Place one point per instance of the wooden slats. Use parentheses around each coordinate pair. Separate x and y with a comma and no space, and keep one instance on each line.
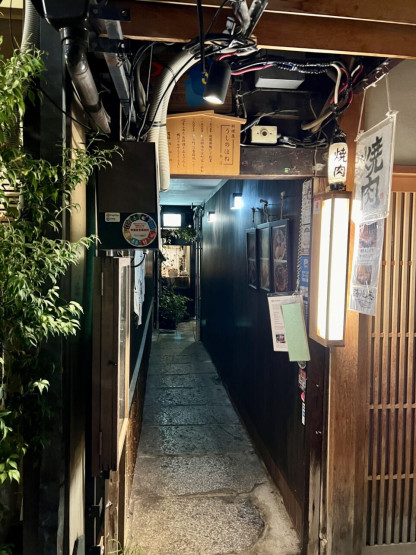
(391,494)
(411,372)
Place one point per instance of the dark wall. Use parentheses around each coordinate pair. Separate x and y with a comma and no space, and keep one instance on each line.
(235,327)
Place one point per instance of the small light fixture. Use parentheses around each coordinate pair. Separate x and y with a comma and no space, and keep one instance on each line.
(328,288)
(216,88)
(337,161)
(237,201)
(211,217)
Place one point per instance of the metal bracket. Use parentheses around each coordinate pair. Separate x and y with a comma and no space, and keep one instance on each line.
(115,14)
(111,46)
(94,511)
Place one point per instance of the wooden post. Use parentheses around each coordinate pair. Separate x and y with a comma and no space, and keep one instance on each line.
(346,410)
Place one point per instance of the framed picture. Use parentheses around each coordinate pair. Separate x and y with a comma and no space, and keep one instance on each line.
(263,245)
(251,250)
(279,243)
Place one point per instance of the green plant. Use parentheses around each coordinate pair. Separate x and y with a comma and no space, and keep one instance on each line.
(188,234)
(172,307)
(120,550)
(34,198)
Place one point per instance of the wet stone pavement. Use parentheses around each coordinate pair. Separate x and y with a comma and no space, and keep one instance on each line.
(199,488)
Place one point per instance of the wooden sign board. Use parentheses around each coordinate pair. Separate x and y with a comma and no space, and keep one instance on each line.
(204,143)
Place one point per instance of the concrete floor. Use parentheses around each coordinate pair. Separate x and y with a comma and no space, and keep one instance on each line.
(199,487)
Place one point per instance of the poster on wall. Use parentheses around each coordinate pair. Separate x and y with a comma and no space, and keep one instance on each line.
(288,325)
(264,256)
(368,248)
(305,244)
(279,231)
(373,171)
(276,320)
(139,284)
(251,257)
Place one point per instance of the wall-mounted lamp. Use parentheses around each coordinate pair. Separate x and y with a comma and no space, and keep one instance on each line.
(237,201)
(328,288)
(217,84)
(211,217)
(337,161)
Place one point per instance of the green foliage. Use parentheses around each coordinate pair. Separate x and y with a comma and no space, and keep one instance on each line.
(34,196)
(187,234)
(120,550)
(16,77)
(172,307)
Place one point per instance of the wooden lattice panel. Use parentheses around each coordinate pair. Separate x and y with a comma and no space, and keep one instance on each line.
(391,484)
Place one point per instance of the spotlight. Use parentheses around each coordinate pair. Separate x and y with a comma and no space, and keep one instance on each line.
(237,201)
(217,83)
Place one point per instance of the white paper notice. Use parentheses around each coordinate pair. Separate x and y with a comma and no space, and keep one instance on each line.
(368,247)
(277,322)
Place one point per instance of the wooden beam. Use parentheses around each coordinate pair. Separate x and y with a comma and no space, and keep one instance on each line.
(332,35)
(404,179)
(280,31)
(273,163)
(371,10)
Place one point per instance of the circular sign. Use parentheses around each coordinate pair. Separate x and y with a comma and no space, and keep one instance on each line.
(139,229)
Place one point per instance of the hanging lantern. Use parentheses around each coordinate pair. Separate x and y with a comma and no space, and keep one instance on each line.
(337,162)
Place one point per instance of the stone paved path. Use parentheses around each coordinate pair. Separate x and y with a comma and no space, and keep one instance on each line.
(199,487)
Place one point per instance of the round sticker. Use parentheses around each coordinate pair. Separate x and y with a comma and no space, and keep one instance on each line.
(139,229)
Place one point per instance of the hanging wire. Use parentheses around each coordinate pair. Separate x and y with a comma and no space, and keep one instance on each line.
(361,114)
(388,94)
(214,19)
(201,35)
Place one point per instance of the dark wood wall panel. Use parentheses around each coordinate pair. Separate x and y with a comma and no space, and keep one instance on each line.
(236,330)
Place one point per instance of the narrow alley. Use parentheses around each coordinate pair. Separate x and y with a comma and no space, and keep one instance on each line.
(199,487)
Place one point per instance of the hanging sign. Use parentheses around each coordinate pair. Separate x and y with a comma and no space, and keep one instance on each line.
(368,247)
(373,171)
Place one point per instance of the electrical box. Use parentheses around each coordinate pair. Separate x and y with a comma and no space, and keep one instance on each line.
(264,134)
(128,199)
(275,78)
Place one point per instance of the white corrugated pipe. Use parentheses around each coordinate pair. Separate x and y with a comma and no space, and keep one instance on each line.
(159,109)
(31,27)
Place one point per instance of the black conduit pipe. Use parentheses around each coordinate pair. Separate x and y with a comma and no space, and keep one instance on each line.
(75,47)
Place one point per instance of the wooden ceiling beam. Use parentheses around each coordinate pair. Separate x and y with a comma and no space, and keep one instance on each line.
(163,21)
(402,12)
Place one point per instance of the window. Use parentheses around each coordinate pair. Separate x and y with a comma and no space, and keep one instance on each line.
(172,220)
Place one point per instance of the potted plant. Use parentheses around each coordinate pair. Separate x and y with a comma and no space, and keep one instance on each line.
(172,308)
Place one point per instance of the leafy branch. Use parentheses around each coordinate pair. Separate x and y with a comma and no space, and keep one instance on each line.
(34,197)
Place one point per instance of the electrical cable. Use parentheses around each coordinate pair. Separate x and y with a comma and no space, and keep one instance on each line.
(190,62)
(141,261)
(214,19)
(256,121)
(64,111)
(201,35)
(255,68)
(337,83)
